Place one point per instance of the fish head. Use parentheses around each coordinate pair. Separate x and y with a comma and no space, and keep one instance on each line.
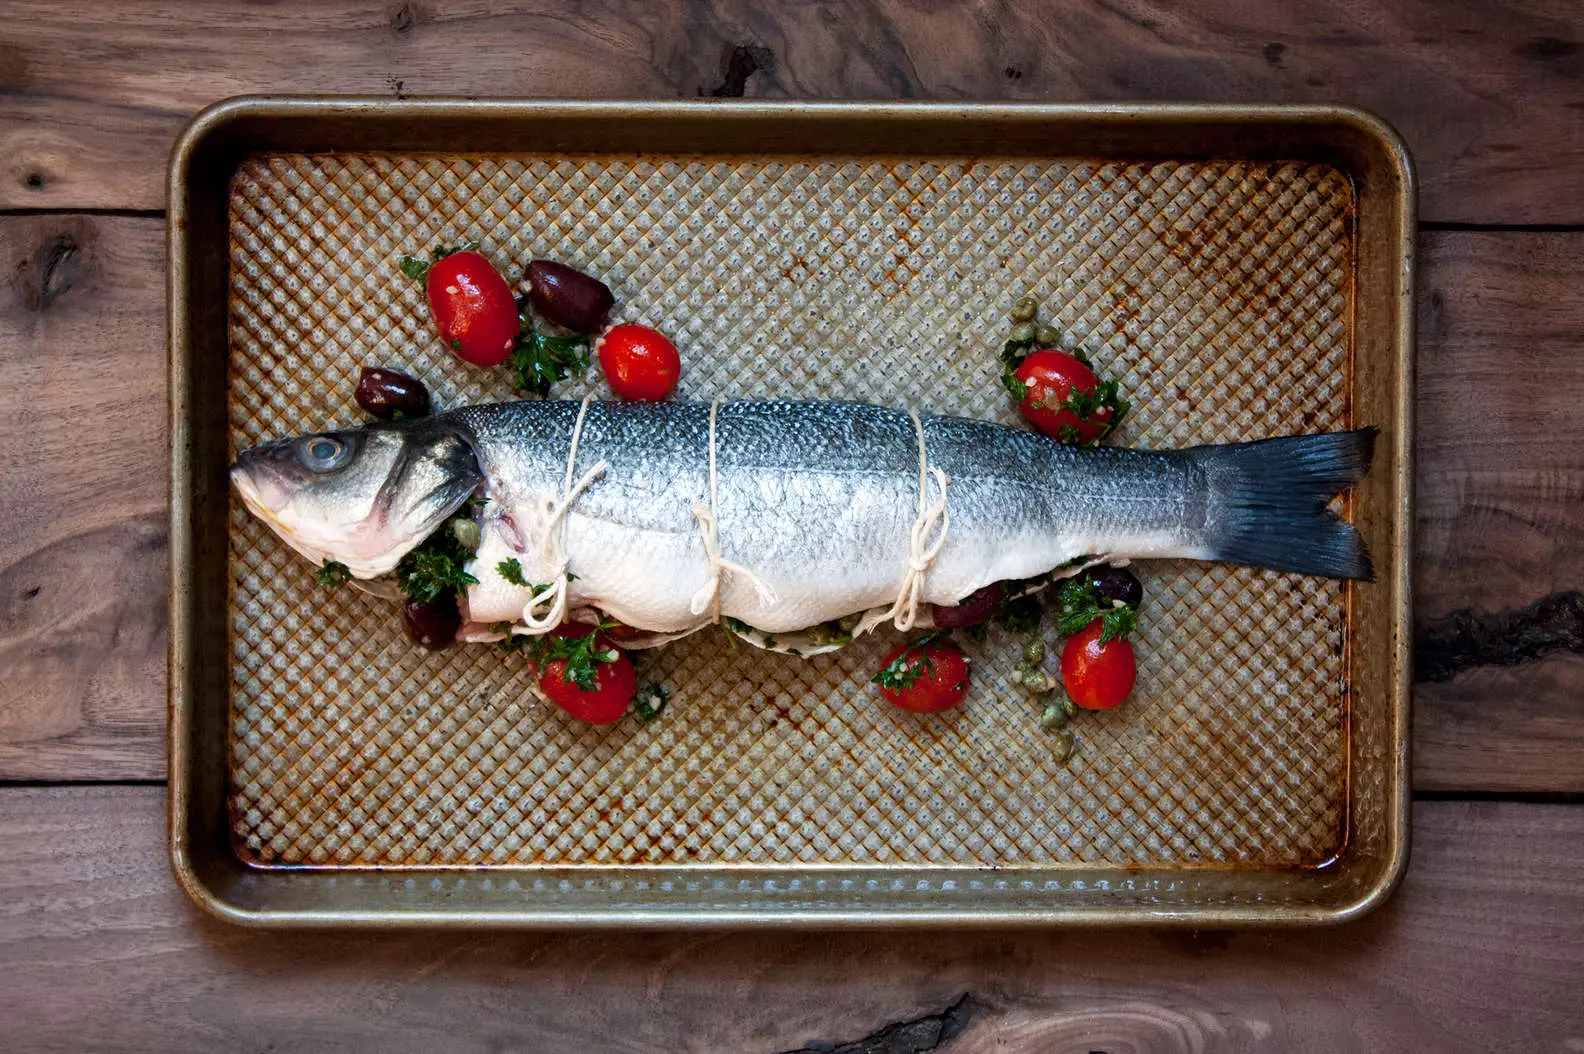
(363,497)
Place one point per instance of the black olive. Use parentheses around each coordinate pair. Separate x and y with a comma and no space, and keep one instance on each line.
(386,393)
(978,606)
(1117,583)
(434,625)
(567,297)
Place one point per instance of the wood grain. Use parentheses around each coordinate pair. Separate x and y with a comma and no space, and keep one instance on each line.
(98,950)
(1500,496)
(83,486)
(1490,94)
(1500,481)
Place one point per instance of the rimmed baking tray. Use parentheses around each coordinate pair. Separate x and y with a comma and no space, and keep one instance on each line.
(1245,271)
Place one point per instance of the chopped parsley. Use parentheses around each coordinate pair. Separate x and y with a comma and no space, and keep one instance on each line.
(1077,605)
(906,669)
(333,574)
(540,360)
(436,567)
(649,701)
(417,268)
(582,655)
(511,570)
(1022,614)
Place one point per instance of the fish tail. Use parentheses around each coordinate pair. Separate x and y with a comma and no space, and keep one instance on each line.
(1267,503)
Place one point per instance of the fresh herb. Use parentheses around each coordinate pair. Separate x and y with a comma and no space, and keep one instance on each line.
(1087,405)
(435,567)
(979,632)
(1022,614)
(829,634)
(417,268)
(540,360)
(582,656)
(333,574)
(1078,605)
(511,570)
(905,670)
(649,701)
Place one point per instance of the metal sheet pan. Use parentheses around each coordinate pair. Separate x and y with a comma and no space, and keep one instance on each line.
(1243,271)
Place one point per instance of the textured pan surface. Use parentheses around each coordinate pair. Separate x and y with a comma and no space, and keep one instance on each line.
(1219,293)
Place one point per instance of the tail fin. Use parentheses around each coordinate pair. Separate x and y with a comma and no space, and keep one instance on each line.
(1268,502)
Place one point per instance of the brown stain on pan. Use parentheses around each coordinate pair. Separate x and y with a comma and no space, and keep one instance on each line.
(763,756)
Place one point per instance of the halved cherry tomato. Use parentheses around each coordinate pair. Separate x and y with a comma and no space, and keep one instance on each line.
(615,680)
(926,677)
(1098,676)
(473,308)
(640,363)
(1051,377)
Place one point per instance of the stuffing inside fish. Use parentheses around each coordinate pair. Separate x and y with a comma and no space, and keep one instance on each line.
(785,516)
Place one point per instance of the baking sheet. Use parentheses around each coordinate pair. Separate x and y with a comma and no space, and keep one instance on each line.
(1216,292)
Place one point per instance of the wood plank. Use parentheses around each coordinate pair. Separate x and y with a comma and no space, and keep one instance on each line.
(1500,494)
(1488,95)
(84,487)
(1500,487)
(1499,498)
(98,950)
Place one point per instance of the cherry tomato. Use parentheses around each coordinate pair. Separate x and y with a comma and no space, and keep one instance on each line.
(1051,376)
(639,362)
(473,308)
(615,683)
(1097,676)
(926,677)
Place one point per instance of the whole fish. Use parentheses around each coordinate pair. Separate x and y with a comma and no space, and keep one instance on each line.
(814,513)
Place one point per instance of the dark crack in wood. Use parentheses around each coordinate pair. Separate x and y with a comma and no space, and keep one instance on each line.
(931,1032)
(743,62)
(1464,639)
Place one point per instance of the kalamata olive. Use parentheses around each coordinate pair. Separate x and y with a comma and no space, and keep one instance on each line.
(434,625)
(1117,583)
(978,606)
(567,297)
(386,393)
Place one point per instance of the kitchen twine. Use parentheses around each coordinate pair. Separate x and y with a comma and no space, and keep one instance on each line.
(708,516)
(553,552)
(921,552)
(552,542)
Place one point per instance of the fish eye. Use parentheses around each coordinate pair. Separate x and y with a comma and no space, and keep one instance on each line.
(322,453)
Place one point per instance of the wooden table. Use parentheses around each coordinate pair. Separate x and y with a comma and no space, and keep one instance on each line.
(1483,947)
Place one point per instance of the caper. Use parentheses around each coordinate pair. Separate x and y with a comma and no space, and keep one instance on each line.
(1034,651)
(1064,745)
(1054,716)
(1022,333)
(1047,336)
(1024,309)
(1039,682)
(466,532)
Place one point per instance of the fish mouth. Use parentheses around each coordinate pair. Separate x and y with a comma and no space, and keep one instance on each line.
(263,492)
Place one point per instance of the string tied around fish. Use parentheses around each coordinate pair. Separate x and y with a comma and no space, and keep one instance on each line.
(922,549)
(707,598)
(553,541)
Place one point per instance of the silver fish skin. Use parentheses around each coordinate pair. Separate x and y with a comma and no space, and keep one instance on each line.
(819,500)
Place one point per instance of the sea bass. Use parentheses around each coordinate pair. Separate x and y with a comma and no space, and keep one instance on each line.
(784,515)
